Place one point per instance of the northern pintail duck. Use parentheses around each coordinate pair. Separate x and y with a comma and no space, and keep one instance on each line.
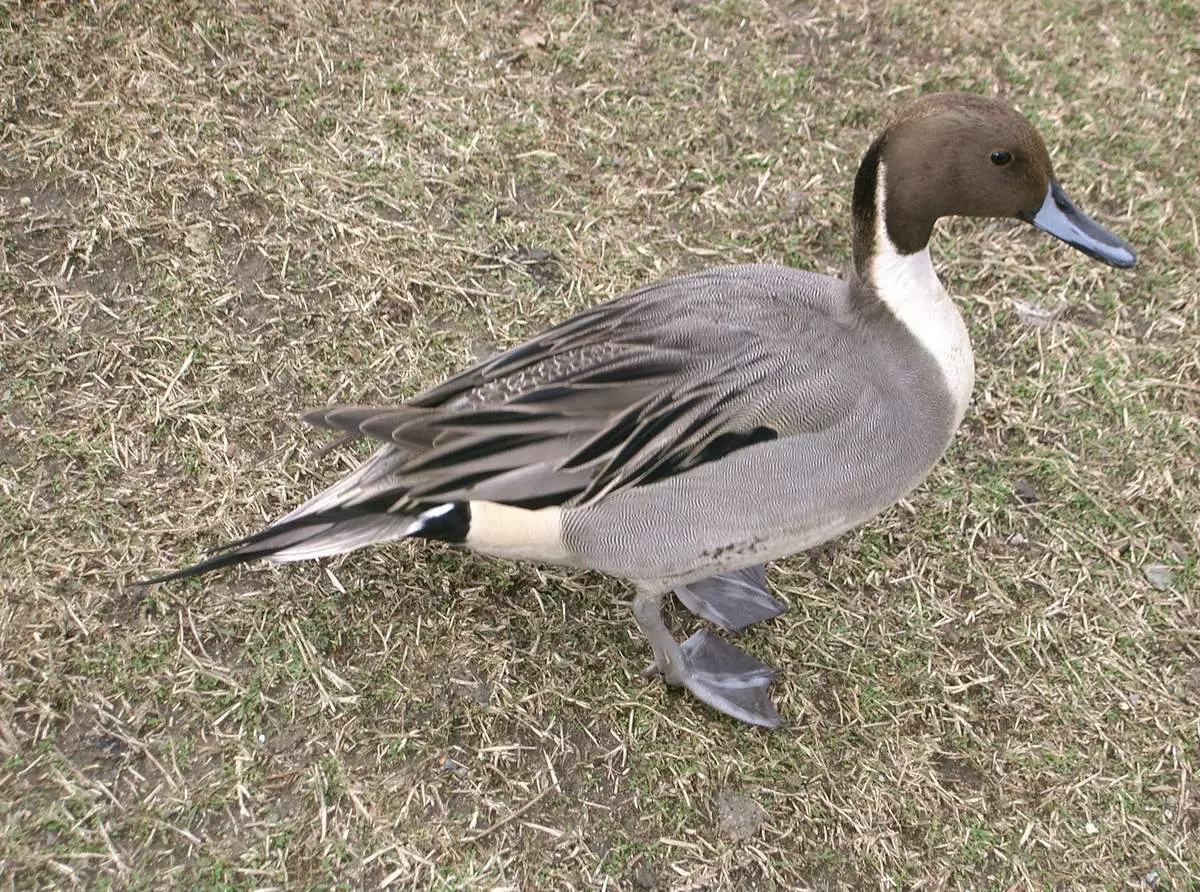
(682,435)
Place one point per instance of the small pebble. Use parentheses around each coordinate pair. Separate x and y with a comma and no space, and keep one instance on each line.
(26,201)
(1038,317)
(738,816)
(532,38)
(1026,492)
(796,203)
(1090,829)
(1151,879)
(1160,576)
(644,878)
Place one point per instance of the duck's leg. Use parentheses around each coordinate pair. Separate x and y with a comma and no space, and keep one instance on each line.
(715,671)
(669,658)
(732,600)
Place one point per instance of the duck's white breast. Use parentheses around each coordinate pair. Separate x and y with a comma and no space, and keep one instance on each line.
(910,288)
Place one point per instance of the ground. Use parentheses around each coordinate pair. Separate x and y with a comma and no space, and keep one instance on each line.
(217,215)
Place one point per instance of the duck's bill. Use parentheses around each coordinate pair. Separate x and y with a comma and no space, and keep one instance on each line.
(1059,217)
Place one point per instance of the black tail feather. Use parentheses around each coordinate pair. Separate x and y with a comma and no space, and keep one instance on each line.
(449,525)
(207,565)
(243,550)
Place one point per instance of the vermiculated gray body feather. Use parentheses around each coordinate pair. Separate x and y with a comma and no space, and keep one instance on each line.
(668,424)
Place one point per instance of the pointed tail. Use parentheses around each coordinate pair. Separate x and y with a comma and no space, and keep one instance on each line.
(333,531)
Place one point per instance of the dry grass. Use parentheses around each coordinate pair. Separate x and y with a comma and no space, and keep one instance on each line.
(216,215)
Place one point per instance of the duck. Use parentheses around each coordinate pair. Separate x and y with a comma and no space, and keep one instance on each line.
(681,436)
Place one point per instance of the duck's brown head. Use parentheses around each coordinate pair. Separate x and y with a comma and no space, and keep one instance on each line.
(961,154)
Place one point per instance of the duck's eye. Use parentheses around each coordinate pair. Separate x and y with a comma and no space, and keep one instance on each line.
(1001,157)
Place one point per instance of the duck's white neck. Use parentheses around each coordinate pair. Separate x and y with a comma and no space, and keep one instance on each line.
(910,288)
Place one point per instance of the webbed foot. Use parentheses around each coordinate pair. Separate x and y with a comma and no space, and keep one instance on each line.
(732,600)
(726,678)
(716,672)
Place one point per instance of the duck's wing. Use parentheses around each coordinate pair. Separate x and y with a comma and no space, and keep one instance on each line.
(629,393)
(632,392)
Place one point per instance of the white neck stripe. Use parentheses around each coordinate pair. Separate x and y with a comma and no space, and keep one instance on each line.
(910,288)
